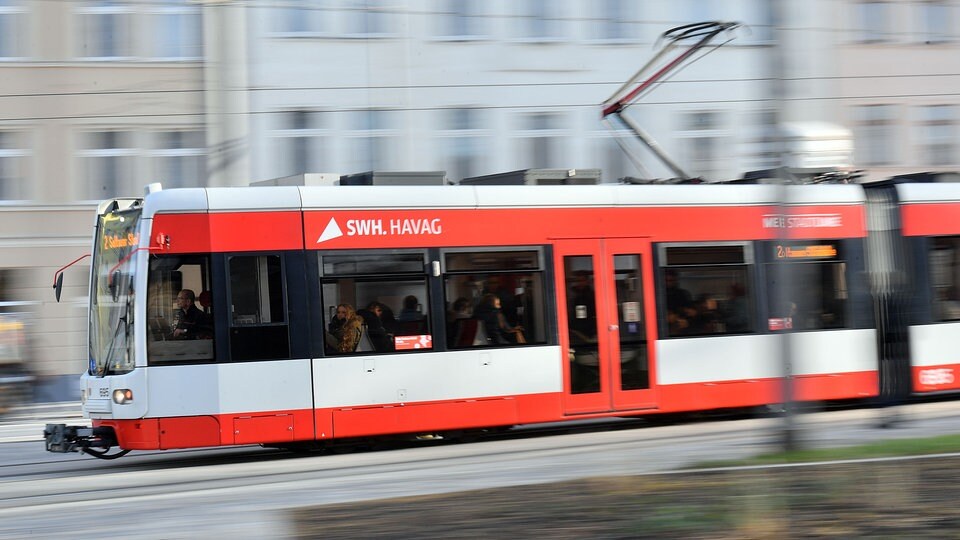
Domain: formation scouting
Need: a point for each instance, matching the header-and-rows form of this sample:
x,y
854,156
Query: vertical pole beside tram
x,y
788,430
788,435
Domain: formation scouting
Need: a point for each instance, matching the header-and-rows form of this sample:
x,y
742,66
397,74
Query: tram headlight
x,y
122,396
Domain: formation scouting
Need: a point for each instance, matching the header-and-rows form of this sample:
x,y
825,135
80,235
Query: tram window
x,y
706,290
817,295
180,317
494,298
258,324
945,278
375,301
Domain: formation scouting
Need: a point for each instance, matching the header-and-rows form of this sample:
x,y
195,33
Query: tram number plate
x,y
935,377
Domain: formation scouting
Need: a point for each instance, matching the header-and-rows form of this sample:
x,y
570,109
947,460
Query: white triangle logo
x,y
330,232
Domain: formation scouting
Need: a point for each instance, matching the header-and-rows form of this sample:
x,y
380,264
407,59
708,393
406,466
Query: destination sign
x,y
116,241
810,251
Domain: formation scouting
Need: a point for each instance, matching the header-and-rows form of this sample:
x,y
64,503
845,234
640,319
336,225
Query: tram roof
x,y
918,193
471,197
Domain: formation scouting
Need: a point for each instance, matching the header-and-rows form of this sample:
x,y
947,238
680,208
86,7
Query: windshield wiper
x,y
121,325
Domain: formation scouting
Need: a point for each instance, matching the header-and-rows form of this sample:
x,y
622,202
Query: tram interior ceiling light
x,y
122,396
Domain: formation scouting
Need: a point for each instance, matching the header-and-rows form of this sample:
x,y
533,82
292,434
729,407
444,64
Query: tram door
x,y
606,324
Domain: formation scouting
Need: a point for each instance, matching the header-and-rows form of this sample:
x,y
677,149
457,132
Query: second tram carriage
x,y
629,299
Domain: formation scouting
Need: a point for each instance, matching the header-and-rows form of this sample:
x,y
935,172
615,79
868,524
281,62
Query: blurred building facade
x,y
97,97
103,97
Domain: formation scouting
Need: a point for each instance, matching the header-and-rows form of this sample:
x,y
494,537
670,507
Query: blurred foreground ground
x,y
890,498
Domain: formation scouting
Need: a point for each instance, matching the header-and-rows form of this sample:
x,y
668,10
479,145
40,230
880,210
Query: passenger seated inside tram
x,y
736,310
205,301
680,306
459,311
344,330
411,310
707,317
498,331
188,321
379,337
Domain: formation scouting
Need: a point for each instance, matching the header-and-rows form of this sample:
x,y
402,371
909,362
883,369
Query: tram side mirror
x,y
58,286
114,285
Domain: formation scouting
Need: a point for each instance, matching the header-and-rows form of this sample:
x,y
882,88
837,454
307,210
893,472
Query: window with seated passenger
x,y
706,289
494,297
375,301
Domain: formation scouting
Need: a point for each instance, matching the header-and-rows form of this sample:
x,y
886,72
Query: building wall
x,y
36,241
63,87
496,84
896,62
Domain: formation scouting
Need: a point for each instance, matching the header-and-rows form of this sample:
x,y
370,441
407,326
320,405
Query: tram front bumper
x,y
62,438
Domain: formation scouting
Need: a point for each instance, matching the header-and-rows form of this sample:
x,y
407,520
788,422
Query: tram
x,y
501,305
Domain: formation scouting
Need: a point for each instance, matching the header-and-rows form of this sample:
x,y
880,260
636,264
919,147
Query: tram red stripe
x,y
275,230
371,229
930,219
231,231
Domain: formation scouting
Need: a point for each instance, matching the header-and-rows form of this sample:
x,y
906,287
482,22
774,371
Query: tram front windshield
x,y
111,293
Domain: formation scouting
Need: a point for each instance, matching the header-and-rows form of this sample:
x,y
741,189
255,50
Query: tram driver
x,y
189,321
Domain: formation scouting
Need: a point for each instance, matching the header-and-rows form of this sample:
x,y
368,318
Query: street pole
x,y
787,436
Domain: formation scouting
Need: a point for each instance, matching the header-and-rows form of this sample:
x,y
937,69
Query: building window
x,y
371,140
875,134
176,30
369,18
614,158
12,20
938,124
13,158
538,20
936,21
702,10
299,16
108,160
301,141
541,148
616,20
106,30
873,19
703,140
706,290
463,143
461,19
495,298
759,20
762,143
180,158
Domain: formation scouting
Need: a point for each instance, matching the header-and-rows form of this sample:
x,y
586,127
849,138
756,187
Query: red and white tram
x,y
629,299
916,270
